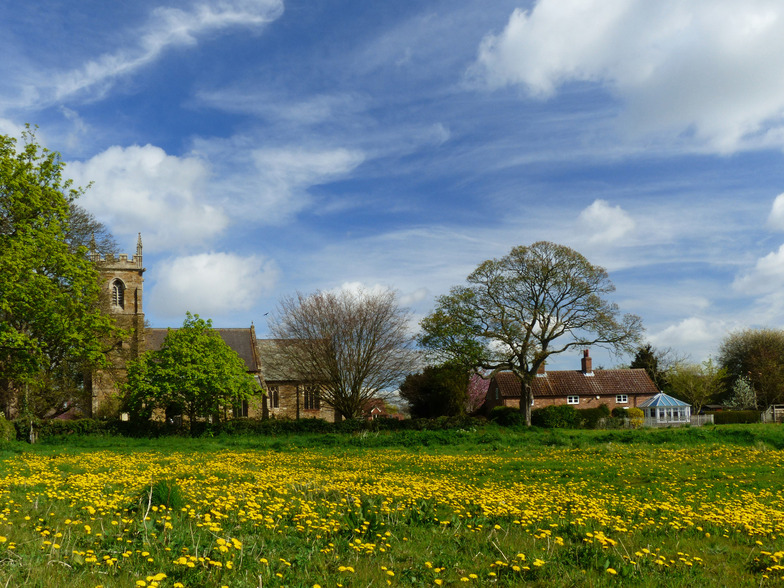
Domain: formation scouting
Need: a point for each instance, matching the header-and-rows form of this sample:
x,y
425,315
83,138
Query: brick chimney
x,y
540,371
586,363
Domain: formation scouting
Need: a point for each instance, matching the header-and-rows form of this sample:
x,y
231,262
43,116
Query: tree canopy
x,y
518,310
353,345
194,370
51,328
437,391
758,355
697,384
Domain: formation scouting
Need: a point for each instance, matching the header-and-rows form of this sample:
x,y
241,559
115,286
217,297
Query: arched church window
x,y
118,294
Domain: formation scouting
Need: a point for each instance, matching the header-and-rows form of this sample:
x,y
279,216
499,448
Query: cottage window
x,y
572,400
312,400
621,399
274,397
118,294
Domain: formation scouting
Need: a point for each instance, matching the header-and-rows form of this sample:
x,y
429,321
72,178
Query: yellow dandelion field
x,y
334,517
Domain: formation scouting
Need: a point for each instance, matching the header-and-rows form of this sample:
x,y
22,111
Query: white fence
x,y
696,420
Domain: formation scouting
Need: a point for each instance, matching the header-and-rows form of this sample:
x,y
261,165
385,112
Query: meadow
x,y
458,508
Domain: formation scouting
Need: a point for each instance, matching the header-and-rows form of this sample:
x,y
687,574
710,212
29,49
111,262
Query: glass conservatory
x,y
663,410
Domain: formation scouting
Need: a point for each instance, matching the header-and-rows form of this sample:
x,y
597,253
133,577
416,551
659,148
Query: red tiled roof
x,y
576,383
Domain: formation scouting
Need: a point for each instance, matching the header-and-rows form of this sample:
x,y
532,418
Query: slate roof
x,y
274,365
662,399
576,383
240,340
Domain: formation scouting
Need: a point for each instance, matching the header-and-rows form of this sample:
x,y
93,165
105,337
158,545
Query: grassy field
x,y
452,508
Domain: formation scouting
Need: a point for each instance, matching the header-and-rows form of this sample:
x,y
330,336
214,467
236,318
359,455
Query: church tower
x,y
121,297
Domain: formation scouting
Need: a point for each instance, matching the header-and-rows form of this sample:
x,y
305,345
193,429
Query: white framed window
x,y
572,400
621,399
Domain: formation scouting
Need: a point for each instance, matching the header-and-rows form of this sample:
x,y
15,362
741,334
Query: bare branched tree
x,y
354,345
84,230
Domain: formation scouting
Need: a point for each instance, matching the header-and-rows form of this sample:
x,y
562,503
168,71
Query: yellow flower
x,y
611,571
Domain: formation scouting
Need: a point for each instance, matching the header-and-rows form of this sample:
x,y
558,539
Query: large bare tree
x,y
518,310
355,345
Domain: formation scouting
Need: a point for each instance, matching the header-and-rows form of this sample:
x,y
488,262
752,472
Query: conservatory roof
x,y
662,399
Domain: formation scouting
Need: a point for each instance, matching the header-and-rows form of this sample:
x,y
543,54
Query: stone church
x,y
122,287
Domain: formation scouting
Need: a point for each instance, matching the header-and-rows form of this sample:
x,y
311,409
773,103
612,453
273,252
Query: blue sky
x,y
263,147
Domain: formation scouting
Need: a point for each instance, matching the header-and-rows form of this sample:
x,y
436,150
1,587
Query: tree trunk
x,y
526,399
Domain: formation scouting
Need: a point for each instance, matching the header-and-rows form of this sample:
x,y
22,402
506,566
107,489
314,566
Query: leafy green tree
x,y
756,354
518,310
697,384
194,369
658,363
436,391
51,328
743,395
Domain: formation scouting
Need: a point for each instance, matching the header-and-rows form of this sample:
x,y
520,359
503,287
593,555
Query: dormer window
x,y
118,294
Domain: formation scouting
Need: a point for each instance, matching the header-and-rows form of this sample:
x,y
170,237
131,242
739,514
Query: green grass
x,y
673,507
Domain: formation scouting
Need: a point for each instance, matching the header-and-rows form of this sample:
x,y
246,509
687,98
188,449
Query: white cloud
x,y
765,277
776,217
210,284
694,335
144,189
12,129
411,298
707,67
167,28
605,224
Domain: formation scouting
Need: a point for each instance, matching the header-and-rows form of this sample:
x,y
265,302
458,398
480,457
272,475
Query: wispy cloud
x,y
271,184
167,28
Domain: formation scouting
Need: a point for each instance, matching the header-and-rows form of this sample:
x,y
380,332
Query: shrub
x,y
728,417
506,416
636,417
7,430
590,417
51,428
558,416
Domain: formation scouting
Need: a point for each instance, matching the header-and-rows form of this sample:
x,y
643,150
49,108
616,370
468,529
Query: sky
x,y
266,147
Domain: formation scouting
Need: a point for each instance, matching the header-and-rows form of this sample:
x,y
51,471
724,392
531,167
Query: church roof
x,y
240,340
578,383
275,366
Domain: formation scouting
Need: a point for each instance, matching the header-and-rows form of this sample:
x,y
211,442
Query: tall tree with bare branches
x,y
354,345
518,310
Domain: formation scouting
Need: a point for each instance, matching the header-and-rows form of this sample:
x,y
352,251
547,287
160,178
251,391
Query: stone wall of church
x,y
122,286
287,400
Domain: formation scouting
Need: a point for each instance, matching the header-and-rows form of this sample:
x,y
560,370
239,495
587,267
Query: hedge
x,y
49,429
557,416
731,417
